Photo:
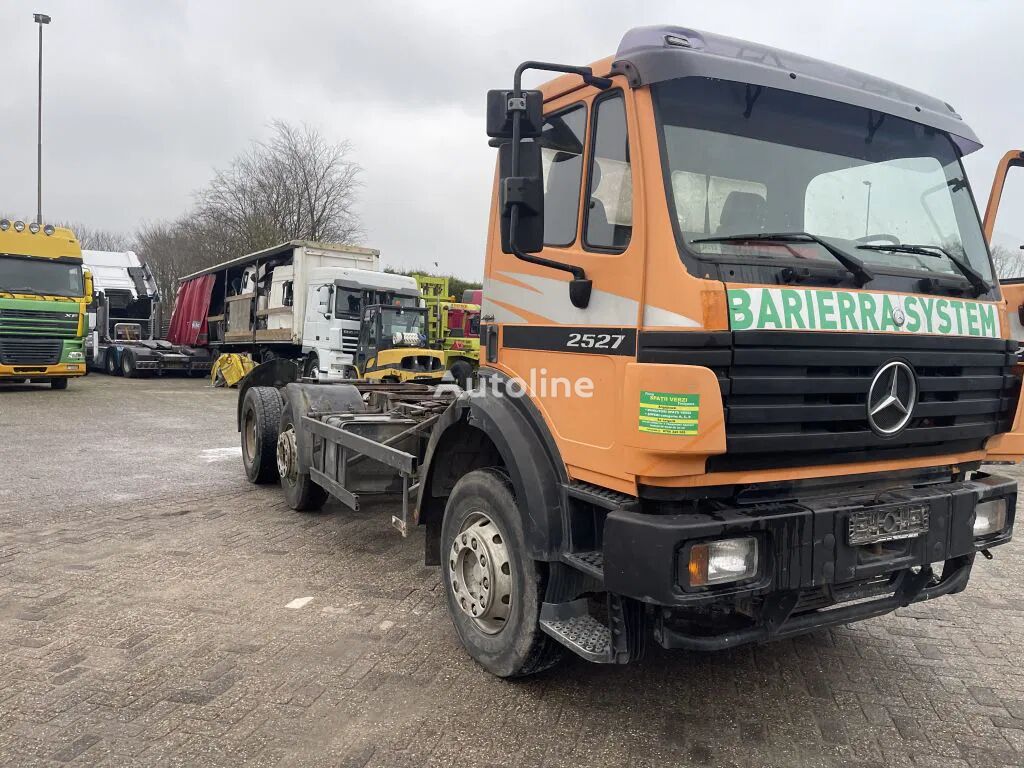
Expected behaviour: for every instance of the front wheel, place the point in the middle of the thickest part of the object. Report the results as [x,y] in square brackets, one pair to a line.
[494,590]
[59,383]
[110,364]
[128,369]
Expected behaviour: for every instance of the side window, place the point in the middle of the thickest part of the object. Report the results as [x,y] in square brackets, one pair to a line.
[562,158]
[610,200]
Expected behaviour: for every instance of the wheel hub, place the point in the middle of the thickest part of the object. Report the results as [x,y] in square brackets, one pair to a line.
[480,573]
[287,455]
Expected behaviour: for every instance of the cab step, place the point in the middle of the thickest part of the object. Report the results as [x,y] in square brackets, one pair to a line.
[572,625]
[590,563]
[605,498]
[618,641]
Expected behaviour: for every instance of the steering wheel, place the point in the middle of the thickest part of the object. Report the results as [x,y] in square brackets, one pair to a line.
[880,236]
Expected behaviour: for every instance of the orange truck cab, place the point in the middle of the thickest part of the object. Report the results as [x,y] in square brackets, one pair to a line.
[766,282]
[743,363]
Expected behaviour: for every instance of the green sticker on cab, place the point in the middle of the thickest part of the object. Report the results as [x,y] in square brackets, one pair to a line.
[668,413]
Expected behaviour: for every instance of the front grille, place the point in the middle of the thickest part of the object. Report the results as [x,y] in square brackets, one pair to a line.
[797,399]
[30,351]
[33,322]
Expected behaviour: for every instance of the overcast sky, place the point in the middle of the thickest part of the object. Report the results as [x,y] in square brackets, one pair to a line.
[143,99]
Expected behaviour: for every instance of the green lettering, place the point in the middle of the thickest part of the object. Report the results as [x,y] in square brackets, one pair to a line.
[792,308]
[888,324]
[972,319]
[942,311]
[740,316]
[769,312]
[929,307]
[988,319]
[826,310]
[910,310]
[847,311]
[867,311]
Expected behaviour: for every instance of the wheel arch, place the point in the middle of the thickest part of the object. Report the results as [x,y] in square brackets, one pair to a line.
[474,432]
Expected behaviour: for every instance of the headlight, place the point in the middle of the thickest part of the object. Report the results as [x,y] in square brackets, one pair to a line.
[721,562]
[49,229]
[33,228]
[76,355]
[19,226]
[989,517]
[5,224]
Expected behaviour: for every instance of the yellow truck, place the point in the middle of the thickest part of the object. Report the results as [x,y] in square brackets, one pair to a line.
[44,294]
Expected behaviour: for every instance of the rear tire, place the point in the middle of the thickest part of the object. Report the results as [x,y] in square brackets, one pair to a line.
[110,364]
[301,493]
[261,414]
[128,369]
[496,612]
[58,383]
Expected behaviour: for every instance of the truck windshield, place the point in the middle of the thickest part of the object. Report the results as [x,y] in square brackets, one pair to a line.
[21,274]
[742,159]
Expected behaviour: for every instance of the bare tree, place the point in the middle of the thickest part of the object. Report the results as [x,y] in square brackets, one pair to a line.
[94,239]
[1008,262]
[294,186]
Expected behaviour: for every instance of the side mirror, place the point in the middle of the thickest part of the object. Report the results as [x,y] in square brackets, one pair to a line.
[523,191]
[499,114]
[323,297]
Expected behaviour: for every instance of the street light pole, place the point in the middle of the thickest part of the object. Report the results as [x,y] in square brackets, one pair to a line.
[40,19]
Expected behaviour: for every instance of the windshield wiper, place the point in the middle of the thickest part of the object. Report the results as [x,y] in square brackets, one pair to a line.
[979,283]
[853,264]
[22,290]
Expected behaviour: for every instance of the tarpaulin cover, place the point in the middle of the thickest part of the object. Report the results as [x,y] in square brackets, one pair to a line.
[188,323]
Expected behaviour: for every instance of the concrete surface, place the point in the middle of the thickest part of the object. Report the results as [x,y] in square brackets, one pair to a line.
[155,609]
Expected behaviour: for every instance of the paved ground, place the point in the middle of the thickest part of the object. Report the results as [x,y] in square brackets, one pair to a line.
[157,610]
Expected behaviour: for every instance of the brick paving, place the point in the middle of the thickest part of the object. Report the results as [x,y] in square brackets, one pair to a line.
[154,628]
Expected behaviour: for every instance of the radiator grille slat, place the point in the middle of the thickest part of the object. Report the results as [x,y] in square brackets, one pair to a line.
[21,351]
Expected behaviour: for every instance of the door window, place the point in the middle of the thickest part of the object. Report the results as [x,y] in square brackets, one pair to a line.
[610,200]
[562,160]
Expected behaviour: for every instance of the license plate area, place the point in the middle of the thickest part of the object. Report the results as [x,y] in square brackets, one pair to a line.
[875,525]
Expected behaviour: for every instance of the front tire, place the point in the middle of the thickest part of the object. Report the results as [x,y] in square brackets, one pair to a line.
[494,590]
[311,370]
[58,383]
[261,414]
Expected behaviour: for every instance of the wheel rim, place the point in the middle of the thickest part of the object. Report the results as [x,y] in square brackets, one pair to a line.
[480,573]
[287,454]
[126,365]
[249,436]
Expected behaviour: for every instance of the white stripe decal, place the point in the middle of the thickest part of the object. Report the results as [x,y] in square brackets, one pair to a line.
[549,299]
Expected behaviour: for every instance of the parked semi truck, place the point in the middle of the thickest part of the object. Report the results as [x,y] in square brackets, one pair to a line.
[308,302]
[125,321]
[765,280]
[43,296]
[453,327]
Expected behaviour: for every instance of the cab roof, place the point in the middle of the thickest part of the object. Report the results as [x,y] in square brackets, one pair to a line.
[62,244]
[649,55]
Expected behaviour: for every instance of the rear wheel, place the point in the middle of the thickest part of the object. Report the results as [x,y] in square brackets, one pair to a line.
[261,414]
[59,383]
[128,369]
[494,591]
[301,493]
[110,364]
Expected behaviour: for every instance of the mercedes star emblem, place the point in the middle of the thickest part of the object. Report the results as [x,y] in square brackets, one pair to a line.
[891,398]
[898,317]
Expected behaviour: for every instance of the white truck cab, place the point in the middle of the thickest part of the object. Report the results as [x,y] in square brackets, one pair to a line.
[334,301]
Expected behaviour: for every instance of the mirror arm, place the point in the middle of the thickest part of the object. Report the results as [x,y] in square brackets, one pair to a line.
[580,288]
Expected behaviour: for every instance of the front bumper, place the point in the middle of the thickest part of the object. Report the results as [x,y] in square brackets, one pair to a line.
[809,574]
[60,370]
